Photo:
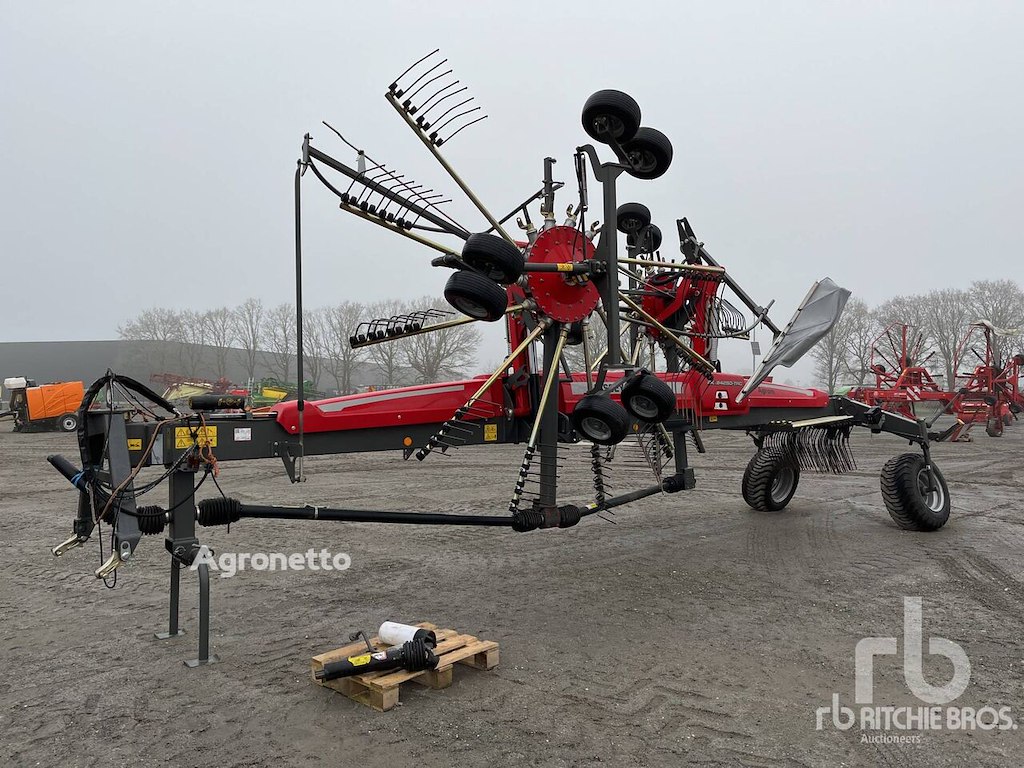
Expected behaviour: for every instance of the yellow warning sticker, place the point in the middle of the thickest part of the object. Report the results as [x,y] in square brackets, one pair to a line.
[565,267]
[490,433]
[712,418]
[358,661]
[134,443]
[186,437]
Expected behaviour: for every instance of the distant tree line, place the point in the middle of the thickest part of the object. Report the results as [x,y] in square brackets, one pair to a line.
[942,316]
[258,336]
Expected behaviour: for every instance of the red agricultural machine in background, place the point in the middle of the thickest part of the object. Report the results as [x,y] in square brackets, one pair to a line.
[989,394]
[608,410]
[902,382]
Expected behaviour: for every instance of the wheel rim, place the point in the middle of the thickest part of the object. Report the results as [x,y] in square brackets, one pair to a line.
[489,268]
[615,126]
[595,428]
[643,406]
[471,308]
[631,224]
[782,484]
[934,497]
[643,160]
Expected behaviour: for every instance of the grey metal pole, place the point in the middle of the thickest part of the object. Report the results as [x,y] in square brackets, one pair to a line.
[298,319]
[610,256]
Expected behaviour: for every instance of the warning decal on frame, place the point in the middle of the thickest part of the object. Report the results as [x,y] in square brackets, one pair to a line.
[186,437]
[243,434]
[134,443]
[490,433]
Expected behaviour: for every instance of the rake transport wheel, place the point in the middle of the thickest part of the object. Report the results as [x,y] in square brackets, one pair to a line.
[68,422]
[914,502]
[770,480]
[994,427]
[648,398]
[476,296]
[575,336]
[649,152]
[611,111]
[630,218]
[497,258]
[601,420]
[650,239]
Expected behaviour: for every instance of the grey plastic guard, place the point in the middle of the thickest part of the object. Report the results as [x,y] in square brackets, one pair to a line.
[817,313]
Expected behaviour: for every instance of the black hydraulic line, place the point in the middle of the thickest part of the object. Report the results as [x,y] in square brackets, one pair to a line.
[262,511]
[420,211]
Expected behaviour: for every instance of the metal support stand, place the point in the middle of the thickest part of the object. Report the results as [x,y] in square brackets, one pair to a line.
[204,620]
[182,543]
[172,623]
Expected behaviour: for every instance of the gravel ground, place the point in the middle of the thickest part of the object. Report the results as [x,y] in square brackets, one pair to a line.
[692,631]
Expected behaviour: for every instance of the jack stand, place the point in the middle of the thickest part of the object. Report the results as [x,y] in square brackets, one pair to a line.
[172,623]
[204,620]
[183,545]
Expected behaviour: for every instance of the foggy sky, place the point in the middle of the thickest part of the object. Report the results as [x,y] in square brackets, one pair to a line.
[147,149]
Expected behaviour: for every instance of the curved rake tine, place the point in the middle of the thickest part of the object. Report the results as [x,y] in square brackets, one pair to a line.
[464,127]
[394,85]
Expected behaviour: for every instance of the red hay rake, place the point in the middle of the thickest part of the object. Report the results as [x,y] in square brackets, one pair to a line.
[552,285]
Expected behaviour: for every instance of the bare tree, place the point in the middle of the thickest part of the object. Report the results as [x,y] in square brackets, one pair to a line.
[192,335]
[220,334]
[279,341]
[387,357]
[340,358]
[829,355]
[159,325]
[443,353]
[1001,302]
[247,324]
[946,315]
[860,330]
[909,310]
[314,335]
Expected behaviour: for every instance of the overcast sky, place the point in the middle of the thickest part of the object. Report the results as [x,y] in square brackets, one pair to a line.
[147,149]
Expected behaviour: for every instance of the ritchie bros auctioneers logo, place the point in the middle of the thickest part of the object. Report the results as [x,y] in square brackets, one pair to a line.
[873,720]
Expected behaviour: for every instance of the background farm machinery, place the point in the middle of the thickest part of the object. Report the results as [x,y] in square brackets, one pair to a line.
[987,394]
[552,288]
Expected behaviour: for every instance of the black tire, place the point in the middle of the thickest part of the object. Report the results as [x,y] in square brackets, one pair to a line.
[575,336]
[1007,419]
[68,422]
[601,420]
[648,398]
[770,480]
[475,296]
[495,256]
[630,218]
[911,504]
[650,239]
[994,427]
[614,110]
[649,152]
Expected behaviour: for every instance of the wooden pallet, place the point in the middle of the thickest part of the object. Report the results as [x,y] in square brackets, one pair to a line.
[380,689]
